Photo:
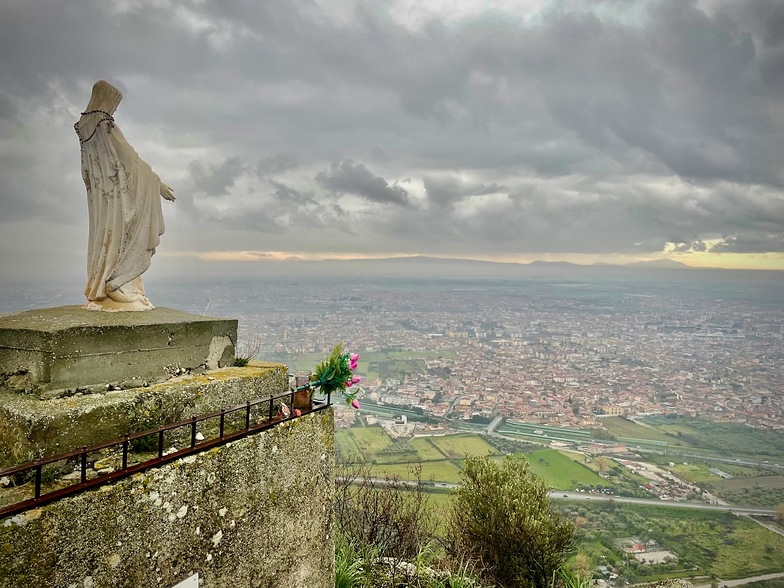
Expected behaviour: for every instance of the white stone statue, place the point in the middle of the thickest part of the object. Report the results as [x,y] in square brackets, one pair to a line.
[124,204]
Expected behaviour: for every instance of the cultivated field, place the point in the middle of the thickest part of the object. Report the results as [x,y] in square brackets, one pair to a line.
[715,543]
[623,427]
[560,472]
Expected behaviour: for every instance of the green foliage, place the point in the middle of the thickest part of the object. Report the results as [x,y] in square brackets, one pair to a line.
[247,351]
[148,442]
[727,438]
[353,563]
[334,374]
[704,541]
[501,518]
[387,513]
[386,537]
[772,583]
[571,579]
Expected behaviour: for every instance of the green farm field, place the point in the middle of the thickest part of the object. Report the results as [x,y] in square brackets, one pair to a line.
[369,443]
[735,484]
[370,440]
[441,457]
[435,471]
[460,446]
[696,473]
[427,450]
[623,427]
[561,472]
[727,438]
[345,447]
[357,443]
[721,544]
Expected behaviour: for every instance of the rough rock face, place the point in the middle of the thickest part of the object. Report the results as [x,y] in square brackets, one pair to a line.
[255,512]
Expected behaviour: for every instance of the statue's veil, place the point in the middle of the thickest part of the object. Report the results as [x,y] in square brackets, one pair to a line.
[104,99]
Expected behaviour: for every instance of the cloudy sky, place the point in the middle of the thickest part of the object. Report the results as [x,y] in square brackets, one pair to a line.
[594,130]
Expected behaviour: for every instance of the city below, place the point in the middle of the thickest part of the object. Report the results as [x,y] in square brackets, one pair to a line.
[634,387]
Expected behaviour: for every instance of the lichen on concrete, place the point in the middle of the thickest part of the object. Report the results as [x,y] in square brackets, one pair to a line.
[256,512]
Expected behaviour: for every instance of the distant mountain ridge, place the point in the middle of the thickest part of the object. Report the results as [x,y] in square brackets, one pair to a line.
[653,263]
[661,263]
[424,267]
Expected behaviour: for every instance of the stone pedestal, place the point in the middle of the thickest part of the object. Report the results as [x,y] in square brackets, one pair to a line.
[71,349]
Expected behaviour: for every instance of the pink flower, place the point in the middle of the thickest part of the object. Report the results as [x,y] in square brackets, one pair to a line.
[352,367]
[355,404]
[349,383]
[297,412]
[355,379]
[354,357]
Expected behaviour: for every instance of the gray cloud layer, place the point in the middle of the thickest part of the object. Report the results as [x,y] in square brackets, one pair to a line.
[599,126]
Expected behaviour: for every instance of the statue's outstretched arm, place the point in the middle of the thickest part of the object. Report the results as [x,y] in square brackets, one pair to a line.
[167,192]
[130,153]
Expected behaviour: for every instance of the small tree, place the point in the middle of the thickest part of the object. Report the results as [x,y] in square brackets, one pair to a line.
[387,513]
[501,519]
[601,463]
[582,566]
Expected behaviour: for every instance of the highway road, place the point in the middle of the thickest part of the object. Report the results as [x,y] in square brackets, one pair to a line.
[598,497]
[751,510]
[732,583]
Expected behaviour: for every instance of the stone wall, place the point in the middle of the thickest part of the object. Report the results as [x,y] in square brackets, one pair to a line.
[31,427]
[253,513]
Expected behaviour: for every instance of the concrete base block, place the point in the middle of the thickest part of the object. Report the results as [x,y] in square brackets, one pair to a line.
[71,349]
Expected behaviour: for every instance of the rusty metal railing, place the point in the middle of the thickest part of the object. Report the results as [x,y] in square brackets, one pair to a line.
[253,416]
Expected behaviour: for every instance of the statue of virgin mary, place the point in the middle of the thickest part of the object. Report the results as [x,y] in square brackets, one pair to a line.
[124,205]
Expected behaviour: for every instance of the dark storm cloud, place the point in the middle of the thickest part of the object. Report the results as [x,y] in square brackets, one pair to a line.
[215,180]
[448,189]
[354,178]
[754,243]
[604,127]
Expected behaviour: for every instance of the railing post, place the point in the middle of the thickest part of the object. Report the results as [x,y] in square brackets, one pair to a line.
[193,431]
[160,442]
[247,416]
[125,453]
[222,420]
[270,408]
[84,464]
[38,472]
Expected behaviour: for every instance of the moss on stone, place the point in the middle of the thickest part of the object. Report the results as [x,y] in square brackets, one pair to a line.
[39,428]
[255,512]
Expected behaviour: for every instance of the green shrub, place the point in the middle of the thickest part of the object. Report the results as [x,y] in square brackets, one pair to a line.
[501,519]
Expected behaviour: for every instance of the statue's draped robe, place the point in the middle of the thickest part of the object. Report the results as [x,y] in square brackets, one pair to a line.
[124,203]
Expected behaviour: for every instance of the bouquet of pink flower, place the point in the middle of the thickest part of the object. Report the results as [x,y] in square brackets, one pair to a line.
[335,373]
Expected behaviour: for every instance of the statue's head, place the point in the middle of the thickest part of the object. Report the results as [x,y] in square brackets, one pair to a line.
[104,97]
